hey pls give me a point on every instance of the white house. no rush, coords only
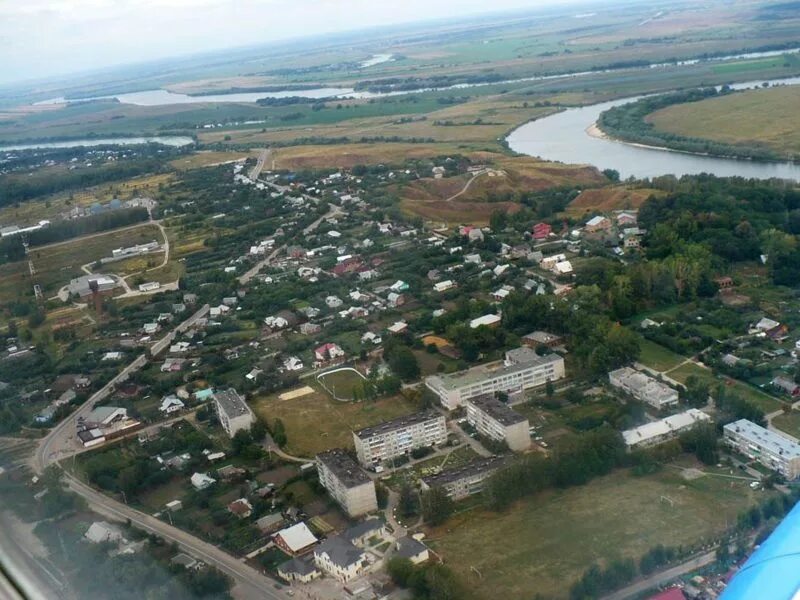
(340, 559)
(201, 481)
(443, 286)
(171, 404)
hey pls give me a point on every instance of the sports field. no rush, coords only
(544, 543)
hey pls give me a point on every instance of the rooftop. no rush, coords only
(408, 547)
(664, 426)
(297, 536)
(769, 440)
(518, 359)
(341, 552)
(398, 423)
(541, 337)
(363, 528)
(343, 467)
(497, 410)
(476, 467)
(298, 566)
(231, 403)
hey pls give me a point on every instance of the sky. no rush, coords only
(50, 38)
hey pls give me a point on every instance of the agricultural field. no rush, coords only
(764, 116)
(199, 160)
(315, 422)
(545, 542)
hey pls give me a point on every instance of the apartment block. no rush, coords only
(498, 421)
(658, 432)
(233, 412)
(467, 480)
(346, 482)
(399, 436)
(771, 449)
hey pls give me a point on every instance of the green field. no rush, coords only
(765, 116)
(657, 357)
(544, 543)
(316, 422)
(761, 399)
(790, 423)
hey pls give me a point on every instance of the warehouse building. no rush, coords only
(521, 370)
(399, 436)
(496, 420)
(771, 449)
(346, 482)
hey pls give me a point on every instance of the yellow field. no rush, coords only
(611, 198)
(348, 155)
(768, 116)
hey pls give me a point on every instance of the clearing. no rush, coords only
(657, 357)
(341, 384)
(545, 542)
(755, 117)
(608, 199)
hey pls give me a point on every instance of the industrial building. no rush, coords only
(498, 421)
(522, 369)
(771, 449)
(643, 387)
(346, 482)
(233, 412)
(399, 436)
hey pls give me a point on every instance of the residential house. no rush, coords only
(412, 549)
(328, 352)
(170, 405)
(787, 385)
(598, 223)
(298, 570)
(295, 540)
(241, 508)
(541, 231)
(340, 559)
(201, 481)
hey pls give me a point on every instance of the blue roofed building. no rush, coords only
(773, 571)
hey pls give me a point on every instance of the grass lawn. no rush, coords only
(657, 357)
(316, 422)
(544, 543)
(753, 395)
(790, 423)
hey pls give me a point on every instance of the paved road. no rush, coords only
(262, 159)
(250, 583)
(663, 577)
(83, 238)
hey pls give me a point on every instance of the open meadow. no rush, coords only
(544, 543)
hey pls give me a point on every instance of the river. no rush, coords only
(564, 137)
(162, 97)
(166, 140)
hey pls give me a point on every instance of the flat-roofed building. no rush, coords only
(498, 421)
(643, 387)
(522, 369)
(233, 412)
(657, 432)
(346, 482)
(466, 480)
(399, 436)
(771, 449)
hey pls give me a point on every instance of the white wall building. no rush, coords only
(771, 449)
(496, 420)
(522, 369)
(657, 432)
(643, 387)
(346, 482)
(233, 412)
(399, 436)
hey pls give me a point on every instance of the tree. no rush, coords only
(407, 504)
(278, 432)
(436, 506)
(241, 440)
(498, 220)
(724, 554)
(697, 391)
(404, 364)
